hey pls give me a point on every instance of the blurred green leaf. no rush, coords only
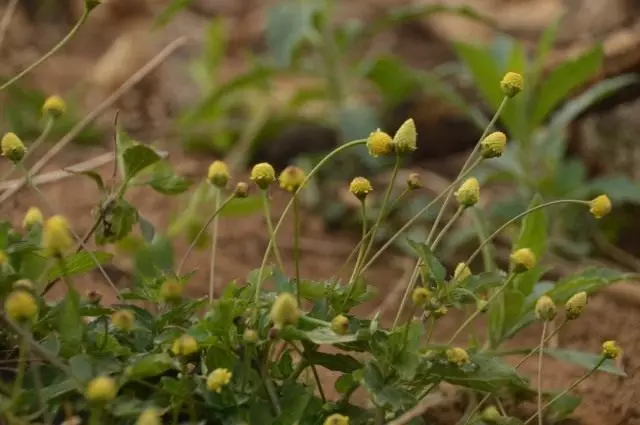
(338, 362)
(242, 207)
(146, 228)
(356, 121)
(70, 324)
(288, 23)
(149, 366)
(393, 79)
(97, 178)
(435, 269)
(618, 189)
(165, 181)
(170, 12)
(117, 222)
(586, 360)
(533, 232)
(136, 158)
(295, 399)
(81, 367)
(589, 281)
(563, 407)
(79, 263)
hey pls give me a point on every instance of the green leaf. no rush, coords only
(136, 158)
(170, 11)
(618, 189)
(81, 367)
(435, 269)
(118, 221)
(79, 263)
(320, 336)
(586, 360)
(146, 228)
(545, 44)
(70, 325)
(356, 120)
(338, 362)
(219, 357)
(97, 178)
(165, 181)
(588, 281)
(289, 22)
(295, 399)
(150, 365)
(59, 389)
(563, 407)
(533, 232)
(242, 207)
(372, 378)
(392, 77)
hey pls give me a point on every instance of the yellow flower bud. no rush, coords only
(54, 106)
(56, 239)
(32, 217)
(468, 194)
(292, 178)
(379, 143)
(512, 84)
(523, 260)
(250, 336)
(575, 305)
(23, 284)
(101, 390)
(493, 145)
(149, 417)
(21, 306)
(285, 310)
(263, 175)
(336, 419)
(491, 415)
(3, 257)
(611, 350)
(360, 187)
(545, 308)
(171, 291)
(123, 320)
(461, 272)
(414, 181)
(457, 356)
(12, 147)
(404, 140)
(482, 305)
(340, 324)
(218, 174)
(440, 312)
(421, 296)
(242, 190)
(184, 346)
(94, 296)
(218, 379)
(600, 206)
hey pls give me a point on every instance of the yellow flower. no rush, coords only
(404, 140)
(56, 238)
(285, 310)
(101, 390)
(21, 306)
(493, 145)
(512, 84)
(184, 346)
(491, 415)
(336, 419)
(421, 296)
(149, 417)
(54, 106)
(340, 324)
(218, 379)
(414, 181)
(523, 260)
(123, 320)
(575, 305)
(12, 147)
(250, 336)
(242, 190)
(600, 206)
(545, 308)
(457, 356)
(379, 143)
(32, 217)
(610, 349)
(171, 291)
(292, 178)
(360, 187)
(218, 174)
(263, 175)
(461, 272)
(468, 194)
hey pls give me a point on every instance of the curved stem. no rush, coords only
(446, 228)
(272, 236)
(540, 357)
(214, 245)
(43, 136)
(361, 253)
(296, 243)
(22, 363)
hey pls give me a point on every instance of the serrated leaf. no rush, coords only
(435, 269)
(79, 263)
(136, 158)
(288, 23)
(149, 366)
(586, 360)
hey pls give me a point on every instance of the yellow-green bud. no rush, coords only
(575, 305)
(336, 419)
(218, 379)
(54, 106)
(149, 417)
(491, 414)
(440, 312)
(600, 206)
(360, 187)
(414, 181)
(56, 238)
(292, 178)
(461, 272)
(12, 147)
(171, 291)
(23, 284)
(94, 296)
(457, 356)
(32, 217)
(3, 257)
(493, 145)
(523, 260)
(379, 143)
(545, 308)
(184, 346)
(482, 305)
(242, 190)
(468, 194)
(421, 296)
(611, 350)
(285, 310)
(404, 140)
(263, 175)
(218, 174)
(250, 336)
(123, 320)
(101, 390)
(21, 306)
(340, 324)
(512, 83)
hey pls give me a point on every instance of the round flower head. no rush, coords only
(600, 206)
(184, 346)
(379, 143)
(491, 414)
(360, 187)
(12, 148)
(512, 84)
(468, 194)
(493, 145)
(292, 178)
(414, 181)
(336, 419)
(421, 296)
(171, 291)
(101, 390)
(218, 379)
(242, 190)
(250, 336)
(461, 272)
(340, 324)
(32, 217)
(54, 106)
(457, 356)
(575, 305)
(21, 306)
(545, 309)
(404, 141)
(610, 349)
(285, 310)
(123, 320)
(56, 238)
(23, 284)
(523, 260)
(218, 174)
(149, 417)
(263, 175)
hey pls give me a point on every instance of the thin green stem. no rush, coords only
(487, 257)
(407, 327)
(191, 407)
(19, 381)
(272, 237)
(296, 244)
(540, 357)
(214, 244)
(446, 228)
(43, 136)
(95, 416)
(405, 297)
(361, 253)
